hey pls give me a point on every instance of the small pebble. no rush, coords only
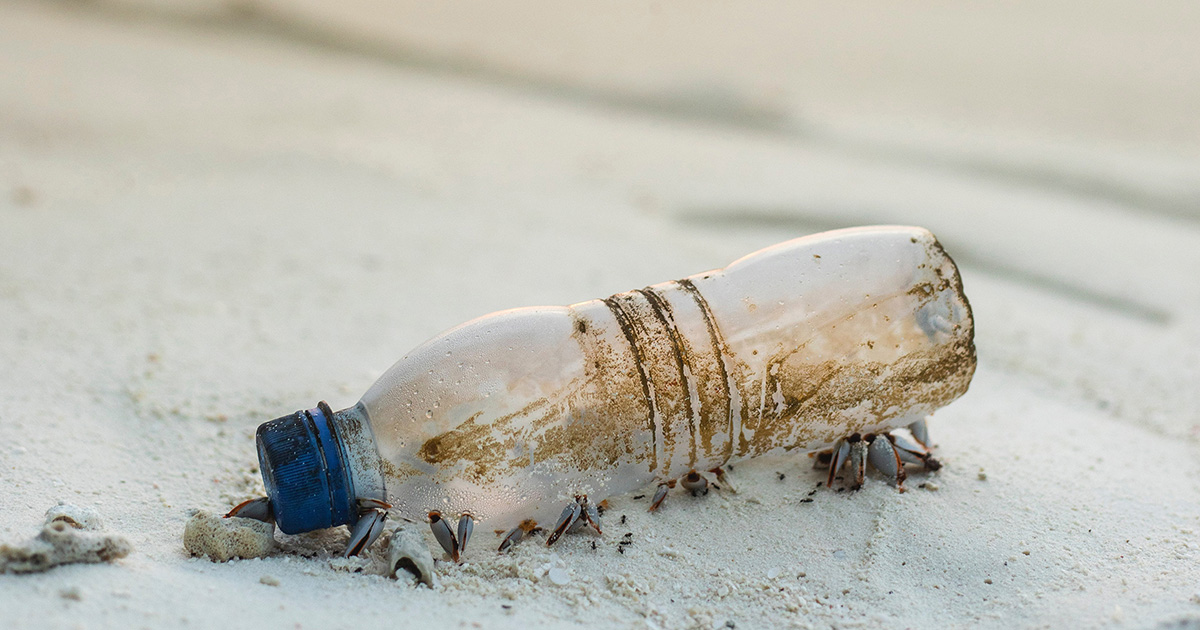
(982, 476)
(987, 581)
(72, 593)
(930, 486)
(772, 573)
(268, 580)
(559, 576)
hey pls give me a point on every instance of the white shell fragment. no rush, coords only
(408, 555)
(223, 539)
(788, 349)
(559, 576)
(70, 535)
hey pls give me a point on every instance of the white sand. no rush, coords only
(202, 229)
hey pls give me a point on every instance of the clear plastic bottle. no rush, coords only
(511, 415)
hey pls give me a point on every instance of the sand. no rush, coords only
(202, 228)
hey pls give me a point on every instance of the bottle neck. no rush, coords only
(317, 464)
(359, 453)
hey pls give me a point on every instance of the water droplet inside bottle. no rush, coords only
(428, 413)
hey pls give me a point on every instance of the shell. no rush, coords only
(512, 415)
(408, 555)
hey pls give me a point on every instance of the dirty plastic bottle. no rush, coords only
(509, 416)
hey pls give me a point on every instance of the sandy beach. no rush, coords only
(212, 215)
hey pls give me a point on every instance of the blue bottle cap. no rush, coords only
(302, 468)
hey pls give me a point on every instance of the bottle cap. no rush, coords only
(302, 468)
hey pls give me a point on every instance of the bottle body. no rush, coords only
(511, 415)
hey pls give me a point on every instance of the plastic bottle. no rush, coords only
(511, 415)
